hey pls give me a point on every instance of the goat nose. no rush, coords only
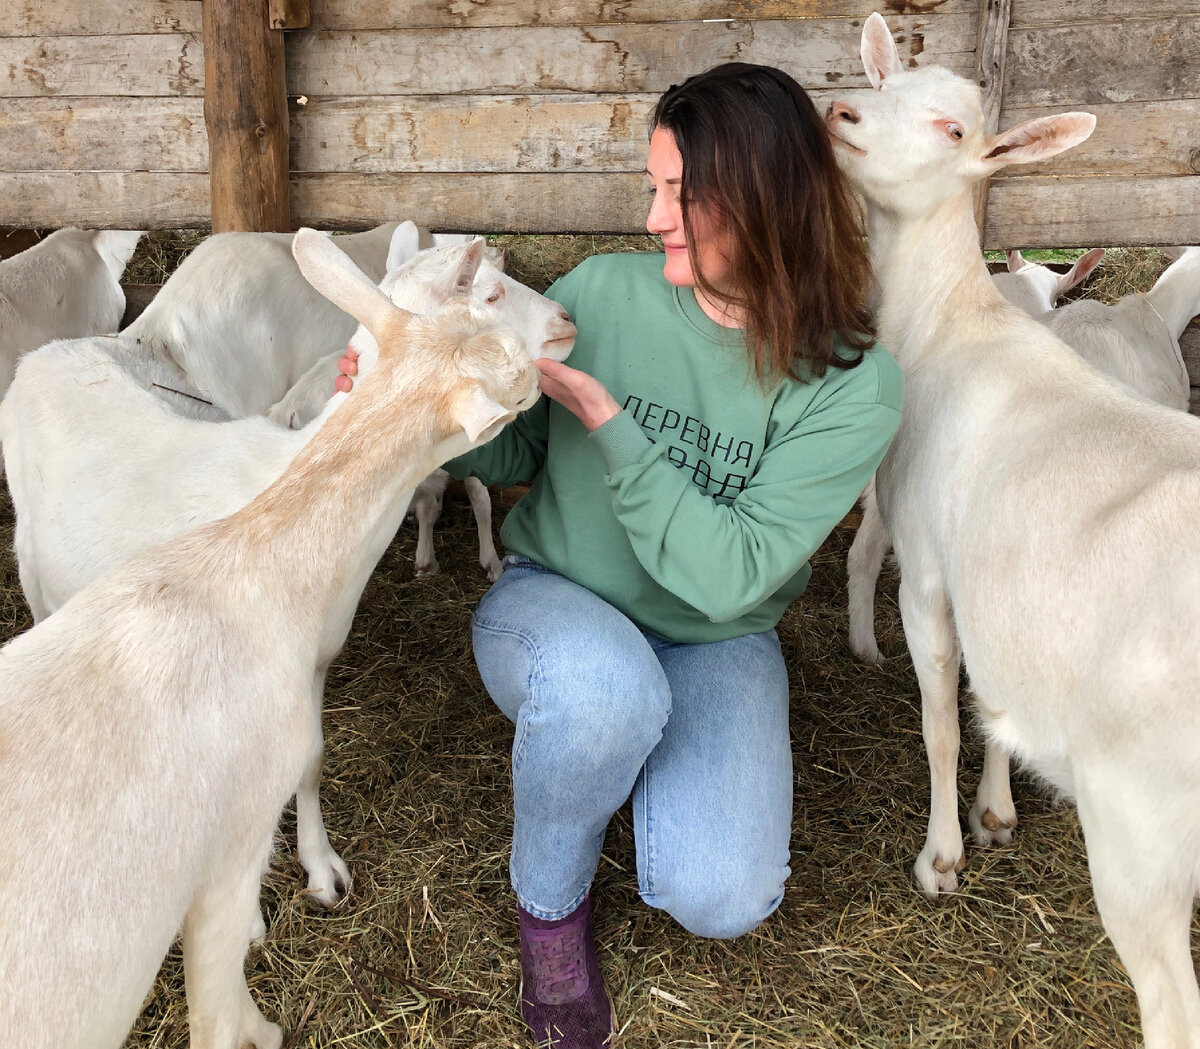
(841, 111)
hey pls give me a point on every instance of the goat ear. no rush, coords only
(880, 57)
(405, 243)
(116, 247)
(481, 417)
(1037, 139)
(1078, 273)
(1014, 258)
(329, 269)
(459, 278)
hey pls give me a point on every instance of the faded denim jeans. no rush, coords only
(697, 732)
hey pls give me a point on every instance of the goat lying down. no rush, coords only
(154, 726)
(1044, 521)
(101, 468)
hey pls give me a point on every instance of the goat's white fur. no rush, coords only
(102, 468)
(155, 725)
(1135, 341)
(65, 286)
(1044, 522)
(1037, 288)
(249, 333)
(409, 279)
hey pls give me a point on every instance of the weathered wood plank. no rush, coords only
(102, 65)
(288, 14)
(629, 58)
(246, 115)
(1122, 60)
(113, 17)
(1025, 212)
(1057, 12)
(516, 203)
(452, 133)
(590, 133)
(1047, 212)
(994, 17)
(100, 17)
(433, 14)
(110, 134)
(527, 59)
(104, 199)
(487, 133)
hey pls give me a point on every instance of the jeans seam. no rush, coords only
(648, 889)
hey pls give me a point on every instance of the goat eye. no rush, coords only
(495, 296)
(954, 131)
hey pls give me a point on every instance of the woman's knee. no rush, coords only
(722, 908)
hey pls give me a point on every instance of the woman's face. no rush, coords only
(664, 169)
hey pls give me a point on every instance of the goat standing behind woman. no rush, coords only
(1045, 524)
(139, 788)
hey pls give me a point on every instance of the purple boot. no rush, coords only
(562, 994)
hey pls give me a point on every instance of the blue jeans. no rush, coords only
(698, 733)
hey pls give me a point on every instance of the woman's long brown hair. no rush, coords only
(757, 158)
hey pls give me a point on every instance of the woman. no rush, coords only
(721, 412)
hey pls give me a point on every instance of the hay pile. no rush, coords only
(417, 801)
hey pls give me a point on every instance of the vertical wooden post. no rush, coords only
(990, 48)
(245, 112)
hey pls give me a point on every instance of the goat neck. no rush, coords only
(932, 279)
(369, 450)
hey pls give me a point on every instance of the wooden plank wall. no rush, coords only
(530, 115)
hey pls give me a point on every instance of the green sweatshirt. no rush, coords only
(695, 510)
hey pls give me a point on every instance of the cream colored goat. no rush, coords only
(139, 789)
(101, 469)
(1044, 521)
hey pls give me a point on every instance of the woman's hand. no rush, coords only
(584, 397)
(348, 366)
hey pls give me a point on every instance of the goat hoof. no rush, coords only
(331, 885)
(935, 875)
(989, 829)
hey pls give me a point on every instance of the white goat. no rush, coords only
(64, 286)
(271, 324)
(1037, 288)
(156, 724)
(244, 328)
(302, 402)
(101, 469)
(408, 274)
(1044, 522)
(1135, 341)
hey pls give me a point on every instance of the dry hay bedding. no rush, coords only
(417, 800)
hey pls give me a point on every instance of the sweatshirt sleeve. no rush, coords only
(725, 558)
